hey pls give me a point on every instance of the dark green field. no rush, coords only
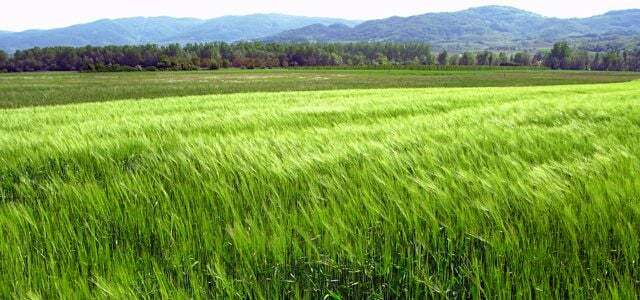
(37, 89)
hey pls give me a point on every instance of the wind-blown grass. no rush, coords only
(480, 192)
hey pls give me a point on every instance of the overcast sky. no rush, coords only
(29, 14)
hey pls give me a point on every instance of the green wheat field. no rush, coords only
(480, 192)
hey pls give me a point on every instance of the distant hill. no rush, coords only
(237, 28)
(488, 27)
(141, 30)
(100, 33)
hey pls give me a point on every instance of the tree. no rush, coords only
(454, 59)
(559, 57)
(596, 62)
(381, 59)
(634, 60)
(467, 59)
(579, 61)
(359, 59)
(538, 58)
(611, 61)
(442, 58)
(502, 59)
(484, 58)
(3, 60)
(522, 59)
(336, 59)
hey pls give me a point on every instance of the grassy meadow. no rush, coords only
(493, 192)
(51, 88)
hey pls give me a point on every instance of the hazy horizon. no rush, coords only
(50, 15)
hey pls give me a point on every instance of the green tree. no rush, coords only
(634, 60)
(502, 59)
(467, 59)
(611, 61)
(596, 62)
(3, 60)
(538, 58)
(443, 58)
(454, 59)
(381, 59)
(579, 61)
(359, 59)
(559, 57)
(484, 58)
(522, 59)
(336, 59)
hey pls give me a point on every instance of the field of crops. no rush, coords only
(49, 88)
(495, 192)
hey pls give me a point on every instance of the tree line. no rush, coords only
(267, 55)
(562, 56)
(213, 56)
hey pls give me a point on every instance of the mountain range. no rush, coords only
(162, 30)
(487, 27)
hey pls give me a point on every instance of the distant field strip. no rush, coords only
(387, 193)
(50, 88)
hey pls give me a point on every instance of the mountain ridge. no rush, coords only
(490, 27)
(141, 30)
(485, 27)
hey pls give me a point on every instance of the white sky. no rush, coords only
(16, 15)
